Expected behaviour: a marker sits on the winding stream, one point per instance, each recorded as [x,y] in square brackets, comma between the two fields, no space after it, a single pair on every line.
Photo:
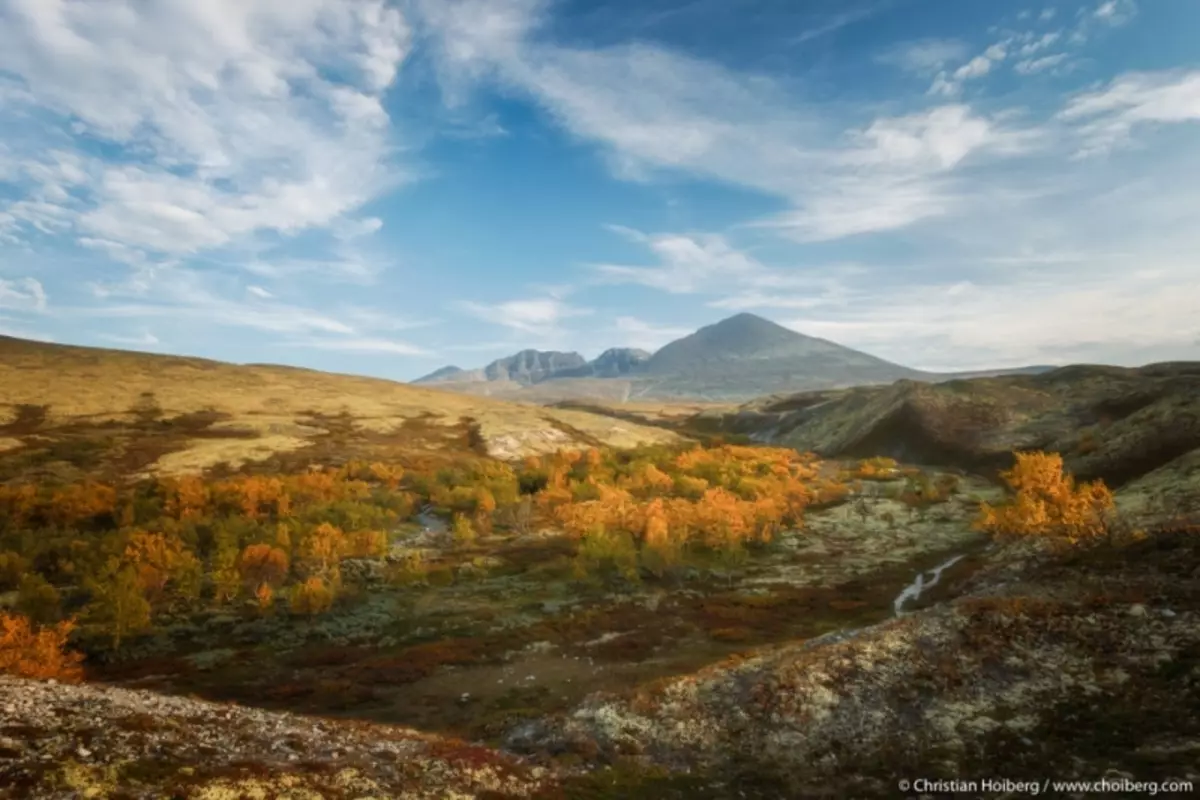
[914,590]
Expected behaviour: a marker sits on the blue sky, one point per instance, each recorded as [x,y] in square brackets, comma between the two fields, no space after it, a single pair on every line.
[384,188]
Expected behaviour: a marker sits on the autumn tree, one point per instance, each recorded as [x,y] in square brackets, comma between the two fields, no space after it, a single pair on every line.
[80,503]
[1047,502]
[463,531]
[41,654]
[157,559]
[118,602]
[324,546]
[367,544]
[185,497]
[312,597]
[262,565]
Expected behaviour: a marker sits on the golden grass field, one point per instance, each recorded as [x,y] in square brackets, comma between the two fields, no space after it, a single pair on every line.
[207,412]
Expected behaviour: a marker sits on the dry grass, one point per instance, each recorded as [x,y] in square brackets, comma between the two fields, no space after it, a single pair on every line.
[258,410]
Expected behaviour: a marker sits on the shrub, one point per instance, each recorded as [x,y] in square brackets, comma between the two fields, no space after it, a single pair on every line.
[1047,502]
[605,553]
[463,531]
[262,565]
[38,600]
[40,654]
[312,597]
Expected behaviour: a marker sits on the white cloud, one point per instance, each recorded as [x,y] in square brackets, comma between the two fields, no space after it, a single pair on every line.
[1107,117]
[1039,44]
[145,339]
[924,56]
[22,294]
[193,299]
[1047,14]
[223,114]
[539,316]
[1035,65]
[1115,12]
[948,83]
[686,262]
[363,345]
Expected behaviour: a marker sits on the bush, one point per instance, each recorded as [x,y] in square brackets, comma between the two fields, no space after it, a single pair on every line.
[606,554]
[1047,502]
[40,654]
[312,597]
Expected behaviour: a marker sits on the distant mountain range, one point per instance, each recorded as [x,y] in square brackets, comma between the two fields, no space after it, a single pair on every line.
[738,358]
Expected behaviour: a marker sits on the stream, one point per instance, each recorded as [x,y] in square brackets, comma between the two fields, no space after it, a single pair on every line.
[913,591]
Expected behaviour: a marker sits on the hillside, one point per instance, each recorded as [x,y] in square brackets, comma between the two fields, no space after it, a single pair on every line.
[66,410]
[736,359]
[1122,425]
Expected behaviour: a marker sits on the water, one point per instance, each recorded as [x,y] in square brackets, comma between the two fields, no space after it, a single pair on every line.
[914,590]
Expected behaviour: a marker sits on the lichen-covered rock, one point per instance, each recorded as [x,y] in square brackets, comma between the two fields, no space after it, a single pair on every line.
[64,741]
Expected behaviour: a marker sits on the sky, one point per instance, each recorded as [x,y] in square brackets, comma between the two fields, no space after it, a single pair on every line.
[384,188]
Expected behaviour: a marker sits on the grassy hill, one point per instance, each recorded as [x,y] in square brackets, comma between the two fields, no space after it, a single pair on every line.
[66,409]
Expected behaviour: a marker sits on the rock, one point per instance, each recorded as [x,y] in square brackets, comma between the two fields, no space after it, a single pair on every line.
[1137,610]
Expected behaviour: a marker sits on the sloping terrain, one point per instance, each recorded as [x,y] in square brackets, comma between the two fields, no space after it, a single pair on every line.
[1108,422]
[62,741]
[66,408]
[1056,667]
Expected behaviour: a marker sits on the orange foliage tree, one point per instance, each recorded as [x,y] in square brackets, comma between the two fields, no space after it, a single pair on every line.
[40,654]
[157,558]
[1048,502]
[184,497]
[262,565]
[81,502]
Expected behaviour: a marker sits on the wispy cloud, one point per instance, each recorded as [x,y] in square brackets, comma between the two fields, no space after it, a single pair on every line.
[178,127]
[144,339]
[686,262]
[362,345]
[1108,116]
[837,22]
[924,56]
[23,294]
[540,316]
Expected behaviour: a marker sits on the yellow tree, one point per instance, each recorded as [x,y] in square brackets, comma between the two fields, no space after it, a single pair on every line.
[1047,502]
[261,565]
[325,546]
[41,654]
[157,558]
[118,602]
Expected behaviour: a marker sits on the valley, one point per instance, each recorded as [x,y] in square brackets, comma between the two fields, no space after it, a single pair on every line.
[423,594]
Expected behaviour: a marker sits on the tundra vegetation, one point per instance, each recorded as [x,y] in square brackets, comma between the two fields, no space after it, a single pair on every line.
[514,601]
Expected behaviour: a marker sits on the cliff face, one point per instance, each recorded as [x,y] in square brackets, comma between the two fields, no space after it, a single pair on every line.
[532,366]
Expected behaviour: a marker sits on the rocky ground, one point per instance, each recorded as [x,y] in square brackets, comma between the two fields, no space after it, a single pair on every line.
[59,741]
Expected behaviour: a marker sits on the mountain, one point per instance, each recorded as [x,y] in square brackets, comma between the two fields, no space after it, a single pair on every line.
[612,363]
[446,373]
[746,353]
[531,366]
[734,360]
